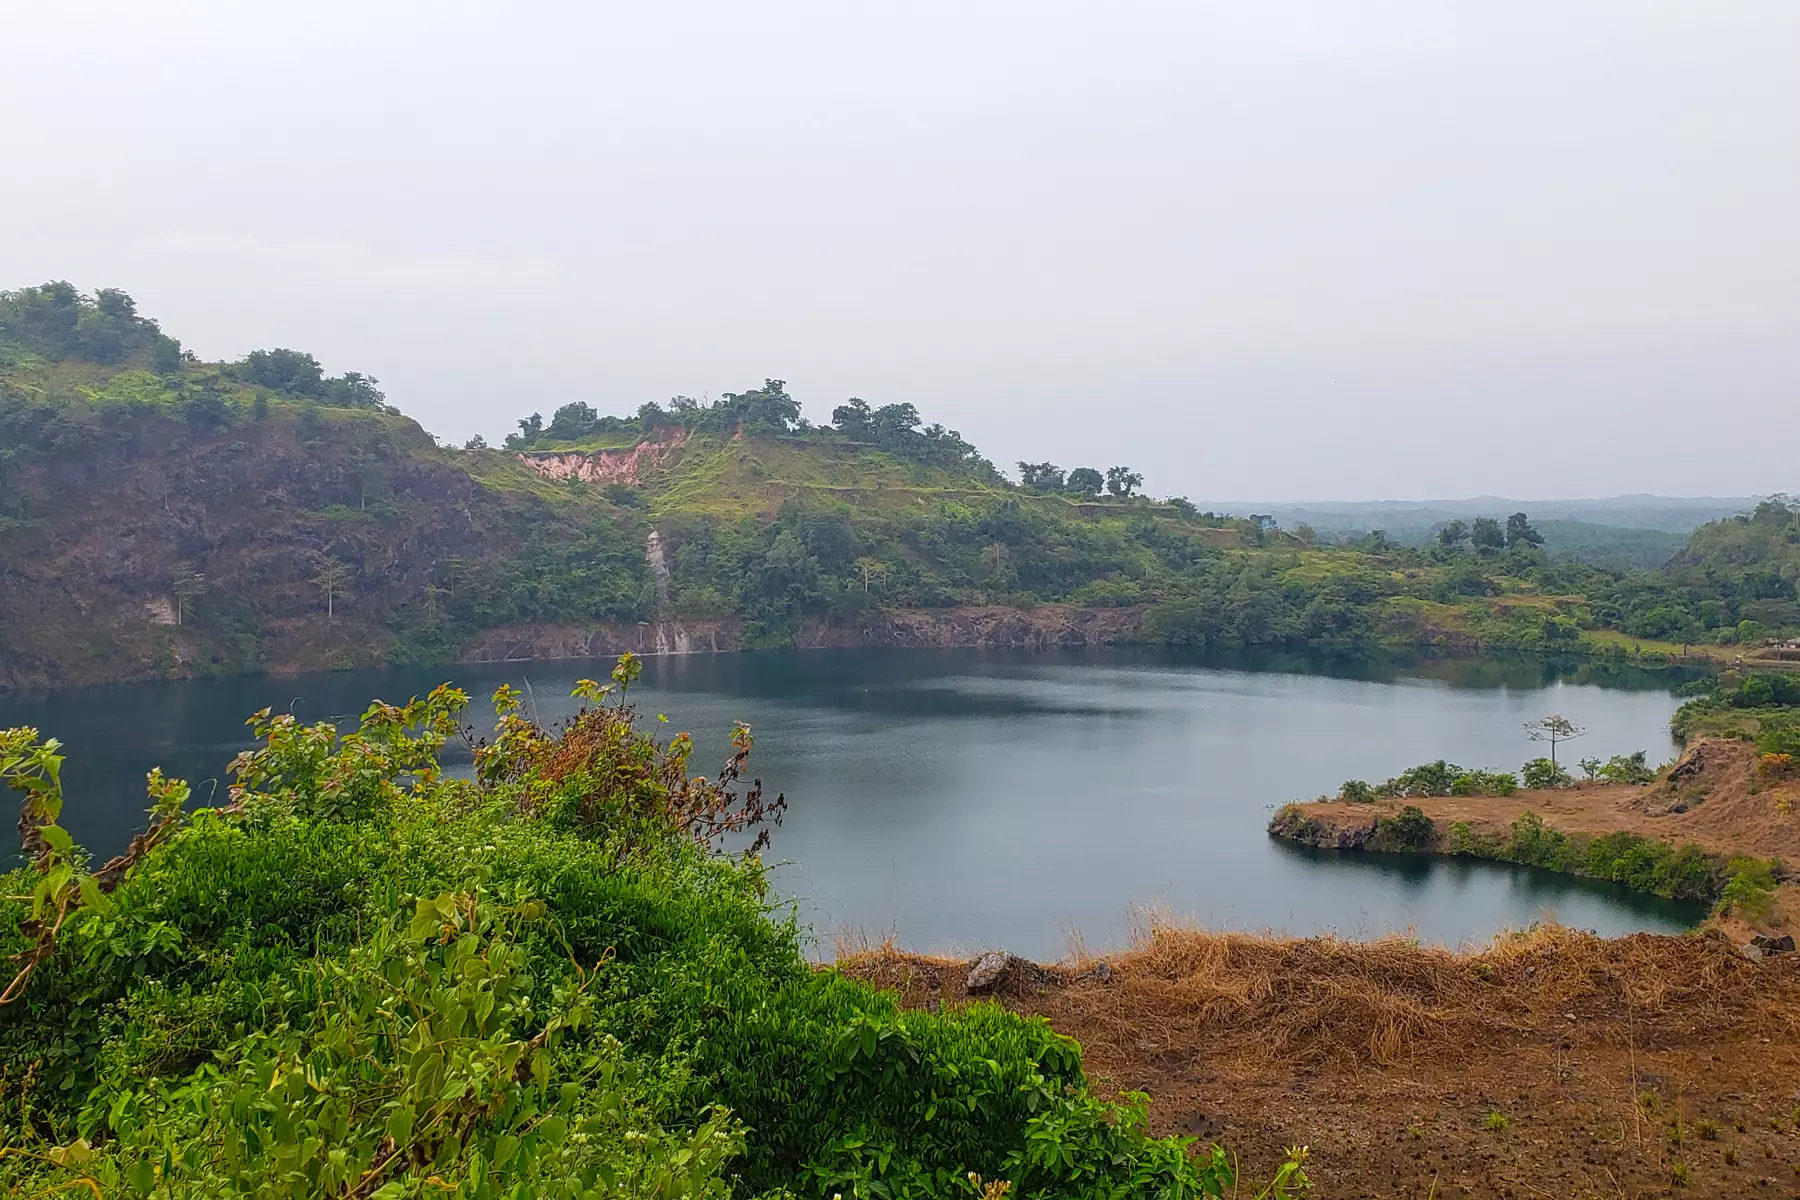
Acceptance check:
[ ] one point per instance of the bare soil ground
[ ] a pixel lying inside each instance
(1553, 1063)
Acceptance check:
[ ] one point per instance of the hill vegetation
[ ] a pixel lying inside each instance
(162, 516)
(1634, 532)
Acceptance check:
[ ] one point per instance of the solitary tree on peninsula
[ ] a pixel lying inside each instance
(1554, 728)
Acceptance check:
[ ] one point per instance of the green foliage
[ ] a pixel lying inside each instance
(59, 322)
(1356, 791)
(1627, 768)
(298, 373)
(1085, 482)
(767, 410)
(1749, 888)
(1761, 708)
(1443, 778)
(1122, 481)
(313, 772)
(1519, 531)
(898, 430)
(1735, 698)
(1609, 547)
(365, 978)
(1647, 865)
(1544, 773)
(1410, 829)
(59, 885)
(422, 1066)
(1461, 838)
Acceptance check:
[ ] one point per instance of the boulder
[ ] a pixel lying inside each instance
(1770, 944)
(997, 969)
(989, 969)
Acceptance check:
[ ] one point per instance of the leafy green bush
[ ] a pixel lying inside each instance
(1443, 778)
(1411, 829)
(1627, 768)
(1427, 779)
(1770, 699)
(1749, 887)
(1647, 865)
(1544, 773)
(1484, 783)
(1461, 838)
(1356, 791)
(364, 978)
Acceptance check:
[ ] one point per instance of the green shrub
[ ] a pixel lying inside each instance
(1749, 887)
(364, 977)
(1443, 778)
(1543, 773)
(1462, 839)
(1411, 829)
(1356, 791)
(1485, 783)
(1687, 873)
(1427, 779)
(1627, 768)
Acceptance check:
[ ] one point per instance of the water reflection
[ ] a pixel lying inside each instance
(1420, 876)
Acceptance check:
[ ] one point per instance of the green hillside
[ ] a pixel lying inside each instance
(1610, 545)
(162, 516)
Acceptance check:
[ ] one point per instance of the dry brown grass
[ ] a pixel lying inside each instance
(1387, 1056)
(1321, 1000)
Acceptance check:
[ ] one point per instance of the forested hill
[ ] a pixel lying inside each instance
(162, 516)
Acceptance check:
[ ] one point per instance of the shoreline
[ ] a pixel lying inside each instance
(1685, 835)
(974, 627)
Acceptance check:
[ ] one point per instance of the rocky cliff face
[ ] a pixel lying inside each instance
(604, 466)
(1036, 628)
(159, 548)
(1291, 823)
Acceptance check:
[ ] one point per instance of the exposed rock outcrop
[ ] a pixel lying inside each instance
(1041, 628)
(605, 466)
(604, 639)
(1291, 823)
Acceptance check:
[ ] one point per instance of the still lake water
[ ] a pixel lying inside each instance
(962, 799)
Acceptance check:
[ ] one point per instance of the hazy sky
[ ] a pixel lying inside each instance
(1256, 249)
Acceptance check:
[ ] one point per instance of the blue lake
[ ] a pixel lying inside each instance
(960, 800)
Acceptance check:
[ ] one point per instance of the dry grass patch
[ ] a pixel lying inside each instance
(1245, 998)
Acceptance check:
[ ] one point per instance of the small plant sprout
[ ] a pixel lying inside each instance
(1496, 1121)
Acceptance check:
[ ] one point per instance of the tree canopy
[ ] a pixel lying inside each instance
(57, 321)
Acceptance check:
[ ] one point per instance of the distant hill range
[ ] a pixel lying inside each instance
(1639, 530)
(161, 516)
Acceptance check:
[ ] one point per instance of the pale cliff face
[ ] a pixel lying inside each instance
(604, 466)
